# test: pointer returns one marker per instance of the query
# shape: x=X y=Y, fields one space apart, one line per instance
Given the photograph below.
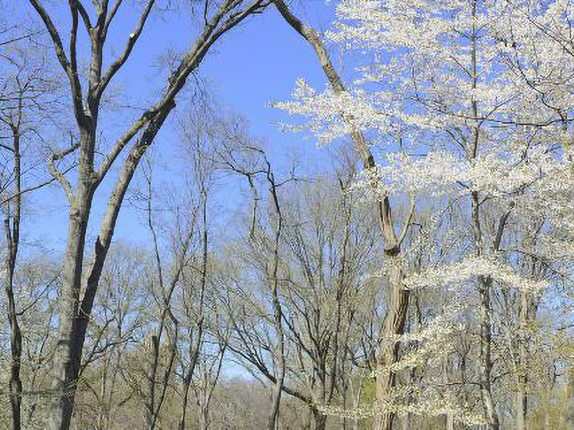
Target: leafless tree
x=219 y=18
x=24 y=98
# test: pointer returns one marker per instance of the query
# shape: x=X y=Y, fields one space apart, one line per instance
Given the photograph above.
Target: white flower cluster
x=332 y=116
x=433 y=342
x=423 y=402
x=493 y=173
x=470 y=268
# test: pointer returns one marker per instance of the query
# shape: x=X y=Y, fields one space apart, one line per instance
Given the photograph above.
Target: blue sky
x=250 y=67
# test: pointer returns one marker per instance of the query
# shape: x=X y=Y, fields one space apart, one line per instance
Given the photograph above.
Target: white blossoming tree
x=442 y=87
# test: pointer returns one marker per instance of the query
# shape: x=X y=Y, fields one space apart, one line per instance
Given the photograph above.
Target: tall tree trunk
x=522 y=365
x=75 y=313
x=204 y=418
x=449 y=424
x=16 y=352
x=152 y=381
x=449 y=418
x=184 y=402
x=569 y=416
x=277 y=310
x=319 y=419
x=485 y=315
x=67 y=356
x=195 y=347
x=389 y=351
x=521 y=405
x=485 y=365
x=12 y=218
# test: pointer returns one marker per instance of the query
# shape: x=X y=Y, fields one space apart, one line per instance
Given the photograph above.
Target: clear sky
x=250 y=67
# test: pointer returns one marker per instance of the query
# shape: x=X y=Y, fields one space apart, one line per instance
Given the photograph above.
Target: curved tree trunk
x=399 y=296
